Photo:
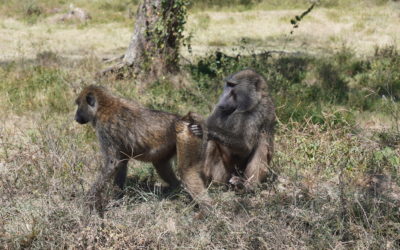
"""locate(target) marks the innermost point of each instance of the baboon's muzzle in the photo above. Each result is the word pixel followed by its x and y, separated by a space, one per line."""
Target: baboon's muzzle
pixel 80 119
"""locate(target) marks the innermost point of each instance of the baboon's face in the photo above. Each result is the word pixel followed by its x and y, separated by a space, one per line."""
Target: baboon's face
pixel 228 99
pixel 87 106
pixel 240 92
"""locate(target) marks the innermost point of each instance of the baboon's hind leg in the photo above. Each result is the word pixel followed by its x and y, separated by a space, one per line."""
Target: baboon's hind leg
pixel 194 185
pixel 214 168
pixel 191 160
pixel 259 166
pixel 165 171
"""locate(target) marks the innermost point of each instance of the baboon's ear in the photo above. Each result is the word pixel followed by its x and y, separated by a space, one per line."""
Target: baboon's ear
pixel 257 82
pixel 90 99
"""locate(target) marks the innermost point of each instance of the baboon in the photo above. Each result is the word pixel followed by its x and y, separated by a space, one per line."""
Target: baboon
pixel 190 155
pixel 238 137
pixel 126 130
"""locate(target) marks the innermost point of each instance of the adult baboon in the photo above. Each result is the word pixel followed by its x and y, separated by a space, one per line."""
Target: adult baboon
pixel 239 136
pixel 127 130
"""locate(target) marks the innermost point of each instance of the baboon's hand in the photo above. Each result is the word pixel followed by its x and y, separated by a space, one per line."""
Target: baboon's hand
pixel 236 181
pixel 241 184
pixel 196 129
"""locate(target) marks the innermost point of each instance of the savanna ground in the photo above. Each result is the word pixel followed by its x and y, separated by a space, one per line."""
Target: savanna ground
pixel 336 85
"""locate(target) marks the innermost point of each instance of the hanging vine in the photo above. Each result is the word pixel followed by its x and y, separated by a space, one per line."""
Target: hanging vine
pixel 167 33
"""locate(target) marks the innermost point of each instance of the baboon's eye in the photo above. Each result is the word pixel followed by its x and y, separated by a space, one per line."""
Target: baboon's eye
pixel 230 84
pixel 90 100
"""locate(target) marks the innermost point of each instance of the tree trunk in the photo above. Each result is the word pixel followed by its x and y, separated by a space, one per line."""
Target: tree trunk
pixel 154 47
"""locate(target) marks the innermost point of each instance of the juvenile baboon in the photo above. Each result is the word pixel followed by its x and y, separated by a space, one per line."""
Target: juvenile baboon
pixel 239 136
pixel 127 130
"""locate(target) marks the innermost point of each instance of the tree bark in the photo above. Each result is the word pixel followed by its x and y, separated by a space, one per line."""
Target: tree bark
pixel 145 19
pixel 154 47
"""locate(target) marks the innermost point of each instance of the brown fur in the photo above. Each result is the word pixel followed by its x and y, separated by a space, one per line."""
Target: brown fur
pixel 237 144
pixel 190 156
pixel 244 136
pixel 127 130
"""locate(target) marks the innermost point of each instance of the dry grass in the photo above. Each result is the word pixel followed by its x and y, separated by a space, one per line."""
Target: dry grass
pixel 324 30
pixel 22 40
pixel 326 196
pixel 337 188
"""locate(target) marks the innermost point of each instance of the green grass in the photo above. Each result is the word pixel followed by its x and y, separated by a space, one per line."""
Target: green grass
pixel 38 88
pixel 307 87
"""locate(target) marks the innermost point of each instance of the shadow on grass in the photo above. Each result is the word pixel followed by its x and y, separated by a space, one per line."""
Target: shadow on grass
pixel 139 189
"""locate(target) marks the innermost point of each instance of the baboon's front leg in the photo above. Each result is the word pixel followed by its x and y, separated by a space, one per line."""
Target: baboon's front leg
pixel 94 195
pixel 120 178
